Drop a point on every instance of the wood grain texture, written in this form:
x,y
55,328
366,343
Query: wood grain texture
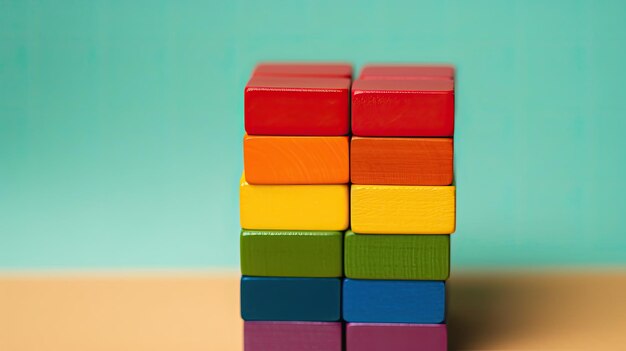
x,y
291,253
296,160
303,69
390,71
397,209
297,106
410,108
293,207
401,161
290,299
290,336
404,257
396,337
394,301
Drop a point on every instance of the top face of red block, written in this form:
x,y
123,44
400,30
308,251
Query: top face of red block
x,y
297,106
403,108
430,86
320,70
407,72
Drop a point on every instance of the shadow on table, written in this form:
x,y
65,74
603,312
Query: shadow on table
x,y
483,309
537,310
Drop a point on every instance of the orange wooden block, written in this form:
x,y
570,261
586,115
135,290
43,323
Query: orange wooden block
x,y
401,161
296,160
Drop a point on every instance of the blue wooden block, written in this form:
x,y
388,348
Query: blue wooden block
x,y
290,299
394,301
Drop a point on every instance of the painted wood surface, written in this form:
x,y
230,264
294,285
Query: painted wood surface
x,y
401,161
296,160
290,299
291,253
292,336
303,69
411,108
385,256
397,209
396,337
297,106
390,71
293,207
394,301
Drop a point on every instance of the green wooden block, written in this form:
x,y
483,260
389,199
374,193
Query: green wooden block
x,y
402,257
278,253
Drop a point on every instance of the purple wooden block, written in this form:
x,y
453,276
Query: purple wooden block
x,y
292,336
396,337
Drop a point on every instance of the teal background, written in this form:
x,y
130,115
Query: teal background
x,y
121,122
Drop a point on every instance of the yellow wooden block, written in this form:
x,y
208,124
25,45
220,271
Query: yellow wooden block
x,y
388,209
293,207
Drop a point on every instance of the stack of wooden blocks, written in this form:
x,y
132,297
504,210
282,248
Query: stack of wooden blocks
x,y
306,182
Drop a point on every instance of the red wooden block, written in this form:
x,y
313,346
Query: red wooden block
x,y
412,108
303,69
396,337
291,336
297,106
407,72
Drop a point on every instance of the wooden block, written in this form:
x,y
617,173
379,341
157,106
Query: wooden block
x,y
396,337
403,209
303,69
290,336
297,106
296,160
291,253
413,108
401,161
413,257
394,301
293,207
290,299
407,72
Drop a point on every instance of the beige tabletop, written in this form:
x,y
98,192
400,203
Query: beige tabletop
x,y
557,310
